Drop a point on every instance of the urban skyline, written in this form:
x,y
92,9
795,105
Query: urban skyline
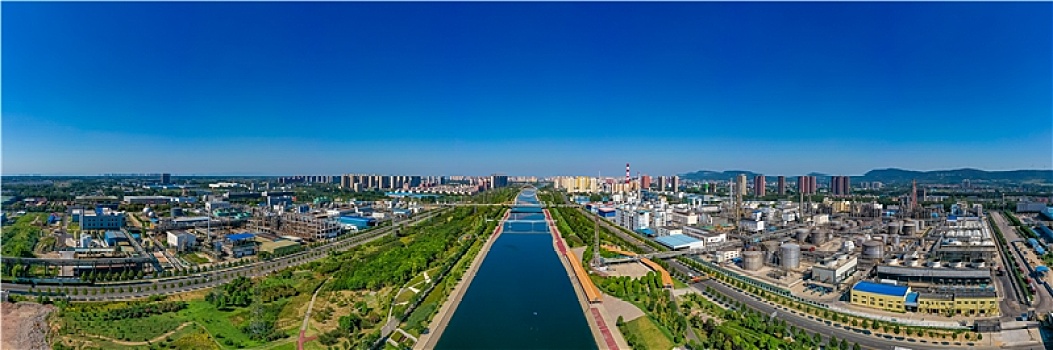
x,y
480,88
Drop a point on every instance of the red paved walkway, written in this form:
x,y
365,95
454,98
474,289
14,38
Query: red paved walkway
x,y
607,337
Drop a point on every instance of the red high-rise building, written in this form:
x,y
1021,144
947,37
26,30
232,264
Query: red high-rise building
x,y
758,185
782,185
645,181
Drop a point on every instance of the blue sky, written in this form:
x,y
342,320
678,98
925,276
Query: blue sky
x,y
524,88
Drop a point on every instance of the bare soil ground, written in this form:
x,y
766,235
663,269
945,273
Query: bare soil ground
x,y
24,325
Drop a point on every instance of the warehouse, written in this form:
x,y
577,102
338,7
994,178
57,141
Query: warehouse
x,y
680,242
835,270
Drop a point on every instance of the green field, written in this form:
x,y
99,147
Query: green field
x,y
644,331
21,237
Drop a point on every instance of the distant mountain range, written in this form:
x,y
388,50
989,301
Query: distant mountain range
x,y
893,175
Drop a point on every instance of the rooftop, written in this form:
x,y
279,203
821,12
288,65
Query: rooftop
x,y
676,240
240,236
880,288
931,272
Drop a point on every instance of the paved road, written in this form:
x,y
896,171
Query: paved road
x,y
1043,301
171,285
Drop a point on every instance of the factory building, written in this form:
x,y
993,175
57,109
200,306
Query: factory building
x,y
680,242
935,276
181,240
836,270
99,219
1030,207
157,200
752,225
881,296
726,254
239,245
959,302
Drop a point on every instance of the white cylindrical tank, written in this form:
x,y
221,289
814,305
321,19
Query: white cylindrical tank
x,y
909,228
791,255
752,260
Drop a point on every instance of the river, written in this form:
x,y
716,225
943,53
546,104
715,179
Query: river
x,y
521,297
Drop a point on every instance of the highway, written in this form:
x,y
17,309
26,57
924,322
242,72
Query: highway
x,y
209,279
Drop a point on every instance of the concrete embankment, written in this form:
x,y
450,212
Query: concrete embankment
x,y
442,318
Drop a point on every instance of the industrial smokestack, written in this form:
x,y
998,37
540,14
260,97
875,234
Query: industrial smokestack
x,y
626,173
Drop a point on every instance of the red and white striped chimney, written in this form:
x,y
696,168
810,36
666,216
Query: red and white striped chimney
x,y
626,173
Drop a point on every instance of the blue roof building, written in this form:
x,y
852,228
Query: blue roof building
x,y
677,242
240,236
881,288
646,231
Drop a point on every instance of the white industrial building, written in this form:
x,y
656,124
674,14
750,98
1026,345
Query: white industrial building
x,y
684,218
680,242
835,270
668,230
181,240
752,225
212,206
726,254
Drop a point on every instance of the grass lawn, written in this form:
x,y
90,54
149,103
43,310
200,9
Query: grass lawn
x,y
648,333
219,323
194,258
129,329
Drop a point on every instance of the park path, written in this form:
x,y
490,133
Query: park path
x,y
154,340
307,316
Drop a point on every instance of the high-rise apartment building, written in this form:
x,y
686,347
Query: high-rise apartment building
x,y
645,182
758,185
662,184
806,184
782,185
741,185
676,183
840,186
166,179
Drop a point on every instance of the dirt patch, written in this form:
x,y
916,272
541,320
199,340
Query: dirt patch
x,y
24,325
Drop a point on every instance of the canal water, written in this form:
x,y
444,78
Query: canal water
x,y
521,297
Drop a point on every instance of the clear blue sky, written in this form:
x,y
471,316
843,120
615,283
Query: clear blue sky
x,y
524,88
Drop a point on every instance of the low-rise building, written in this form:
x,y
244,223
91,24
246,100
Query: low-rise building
x,y
883,296
181,240
280,247
726,254
680,242
100,219
959,302
752,225
241,244
835,271
147,199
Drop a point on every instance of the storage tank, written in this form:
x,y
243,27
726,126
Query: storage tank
x,y
791,255
893,261
848,246
752,260
819,237
934,264
895,227
802,235
873,250
909,228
